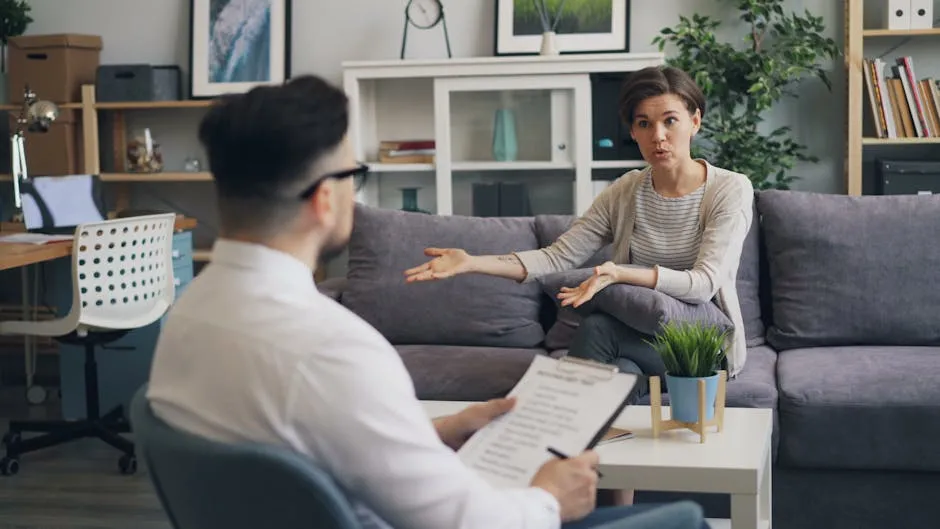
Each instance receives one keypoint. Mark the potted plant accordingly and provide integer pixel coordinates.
(14, 19)
(691, 352)
(779, 50)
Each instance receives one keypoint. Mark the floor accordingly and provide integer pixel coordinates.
(75, 486)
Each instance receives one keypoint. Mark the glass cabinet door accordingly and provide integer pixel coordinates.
(507, 146)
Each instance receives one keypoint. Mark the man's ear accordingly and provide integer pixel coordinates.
(322, 202)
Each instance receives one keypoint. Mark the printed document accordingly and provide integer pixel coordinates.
(562, 404)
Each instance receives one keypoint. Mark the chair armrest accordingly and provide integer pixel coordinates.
(333, 287)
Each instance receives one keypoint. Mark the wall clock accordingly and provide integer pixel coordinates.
(424, 14)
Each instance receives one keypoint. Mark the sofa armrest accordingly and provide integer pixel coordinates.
(333, 287)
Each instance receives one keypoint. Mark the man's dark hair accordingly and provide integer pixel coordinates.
(657, 81)
(262, 144)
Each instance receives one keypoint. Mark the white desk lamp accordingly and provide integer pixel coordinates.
(35, 116)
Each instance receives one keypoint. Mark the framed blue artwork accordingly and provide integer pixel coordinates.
(236, 45)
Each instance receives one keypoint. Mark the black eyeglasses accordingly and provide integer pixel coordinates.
(358, 173)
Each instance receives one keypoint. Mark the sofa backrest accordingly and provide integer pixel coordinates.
(846, 270)
(472, 310)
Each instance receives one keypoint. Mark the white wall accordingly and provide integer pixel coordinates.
(327, 32)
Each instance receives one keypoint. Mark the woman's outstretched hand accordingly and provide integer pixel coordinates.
(447, 262)
(604, 275)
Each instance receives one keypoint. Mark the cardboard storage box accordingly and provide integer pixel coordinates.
(54, 66)
(58, 151)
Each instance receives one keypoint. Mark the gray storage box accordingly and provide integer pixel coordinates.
(137, 82)
(896, 177)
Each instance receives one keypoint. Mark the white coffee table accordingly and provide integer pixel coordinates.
(736, 461)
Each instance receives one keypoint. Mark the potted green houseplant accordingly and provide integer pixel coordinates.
(14, 19)
(745, 77)
(691, 352)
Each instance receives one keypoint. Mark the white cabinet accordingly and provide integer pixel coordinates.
(523, 120)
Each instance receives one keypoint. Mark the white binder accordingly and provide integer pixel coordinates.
(921, 14)
(897, 13)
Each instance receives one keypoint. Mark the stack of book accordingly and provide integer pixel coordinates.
(406, 151)
(901, 105)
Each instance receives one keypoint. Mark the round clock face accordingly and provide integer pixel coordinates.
(424, 13)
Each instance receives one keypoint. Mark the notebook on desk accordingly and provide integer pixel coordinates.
(57, 204)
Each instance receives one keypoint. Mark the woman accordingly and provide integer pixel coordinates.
(677, 226)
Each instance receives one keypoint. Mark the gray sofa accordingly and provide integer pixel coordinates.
(841, 302)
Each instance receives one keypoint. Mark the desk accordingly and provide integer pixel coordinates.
(15, 254)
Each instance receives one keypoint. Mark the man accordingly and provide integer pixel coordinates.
(253, 352)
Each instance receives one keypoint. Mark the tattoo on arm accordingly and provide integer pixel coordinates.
(511, 259)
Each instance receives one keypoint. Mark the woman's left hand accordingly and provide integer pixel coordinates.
(604, 275)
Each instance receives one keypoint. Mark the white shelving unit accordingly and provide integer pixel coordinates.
(454, 103)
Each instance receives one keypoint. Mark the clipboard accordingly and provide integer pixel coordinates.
(564, 405)
(610, 371)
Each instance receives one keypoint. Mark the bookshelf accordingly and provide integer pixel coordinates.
(897, 126)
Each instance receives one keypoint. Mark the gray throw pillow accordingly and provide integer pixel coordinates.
(641, 308)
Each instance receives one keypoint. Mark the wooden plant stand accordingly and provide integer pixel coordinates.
(661, 425)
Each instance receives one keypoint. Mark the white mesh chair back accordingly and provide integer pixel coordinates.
(123, 272)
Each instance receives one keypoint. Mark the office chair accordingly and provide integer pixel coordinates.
(204, 484)
(122, 279)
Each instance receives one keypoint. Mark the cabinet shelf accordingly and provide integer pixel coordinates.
(145, 105)
(510, 166)
(899, 141)
(399, 167)
(156, 177)
(901, 32)
(618, 164)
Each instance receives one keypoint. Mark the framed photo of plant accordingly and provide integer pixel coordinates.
(236, 45)
(578, 26)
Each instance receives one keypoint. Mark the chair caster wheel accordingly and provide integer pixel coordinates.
(127, 464)
(35, 394)
(11, 438)
(9, 467)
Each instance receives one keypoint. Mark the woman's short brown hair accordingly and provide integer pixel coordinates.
(657, 81)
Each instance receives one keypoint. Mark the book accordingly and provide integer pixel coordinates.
(567, 404)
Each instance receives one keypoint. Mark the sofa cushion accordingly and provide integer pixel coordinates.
(465, 373)
(749, 284)
(641, 308)
(866, 408)
(852, 270)
(465, 310)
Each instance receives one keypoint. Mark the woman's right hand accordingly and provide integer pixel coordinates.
(447, 262)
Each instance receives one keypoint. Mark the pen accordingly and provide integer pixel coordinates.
(560, 455)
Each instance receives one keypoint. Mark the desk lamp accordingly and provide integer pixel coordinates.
(35, 116)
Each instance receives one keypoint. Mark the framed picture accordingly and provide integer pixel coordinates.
(581, 26)
(236, 45)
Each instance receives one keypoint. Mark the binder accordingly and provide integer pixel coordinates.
(896, 14)
(921, 14)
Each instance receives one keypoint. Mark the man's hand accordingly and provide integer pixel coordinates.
(573, 482)
(604, 275)
(455, 429)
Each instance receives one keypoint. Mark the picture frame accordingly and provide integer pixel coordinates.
(607, 27)
(260, 31)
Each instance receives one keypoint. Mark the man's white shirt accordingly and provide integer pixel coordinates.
(254, 352)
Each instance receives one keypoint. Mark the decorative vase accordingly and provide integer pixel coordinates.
(549, 45)
(505, 146)
(683, 397)
(409, 200)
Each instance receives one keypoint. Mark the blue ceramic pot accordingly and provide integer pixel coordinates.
(683, 397)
